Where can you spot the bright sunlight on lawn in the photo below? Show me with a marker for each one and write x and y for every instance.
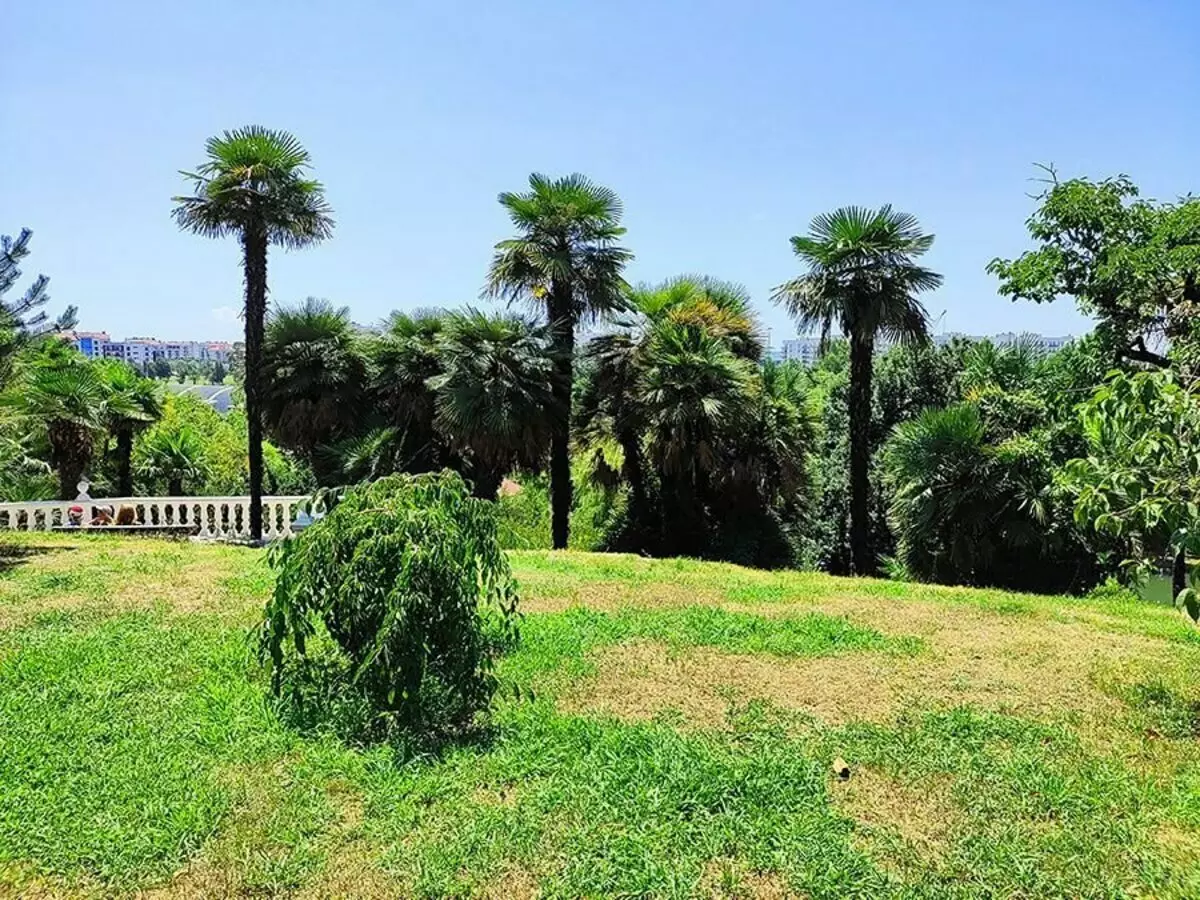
(673, 735)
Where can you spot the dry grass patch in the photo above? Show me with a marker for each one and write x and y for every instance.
(641, 680)
(119, 579)
(1180, 845)
(514, 883)
(1043, 670)
(731, 879)
(920, 813)
(352, 871)
(612, 596)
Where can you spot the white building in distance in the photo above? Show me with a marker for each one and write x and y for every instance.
(807, 350)
(138, 351)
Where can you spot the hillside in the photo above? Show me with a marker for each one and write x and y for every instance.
(673, 735)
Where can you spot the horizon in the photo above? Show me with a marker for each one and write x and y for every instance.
(722, 133)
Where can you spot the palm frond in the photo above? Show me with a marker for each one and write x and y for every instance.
(255, 178)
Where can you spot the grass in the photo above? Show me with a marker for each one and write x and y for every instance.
(1039, 747)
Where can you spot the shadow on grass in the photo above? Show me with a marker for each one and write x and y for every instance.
(14, 555)
(320, 698)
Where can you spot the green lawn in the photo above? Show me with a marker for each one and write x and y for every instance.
(672, 735)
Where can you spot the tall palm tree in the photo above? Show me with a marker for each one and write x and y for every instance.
(134, 402)
(566, 260)
(314, 374)
(862, 277)
(254, 185)
(494, 398)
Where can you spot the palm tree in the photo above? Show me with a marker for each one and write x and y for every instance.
(712, 331)
(134, 402)
(694, 391)
(495, 402)
(70, 402)
(566, 260)
(404, 358)
(173, 455)
(314, 374)
(863, 278)
(254, 185)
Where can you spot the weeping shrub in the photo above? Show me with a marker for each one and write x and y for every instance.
(394, 605)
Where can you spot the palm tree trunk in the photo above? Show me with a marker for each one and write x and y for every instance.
(70, 453)
(68, 478)
(635, 473)
(862, 349)
(175, 487)
(125, 462)
(563, 334)
(254, 247)
(486, 483)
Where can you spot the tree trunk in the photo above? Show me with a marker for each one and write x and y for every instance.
(70, 454)
(175, 487)
(486, 483)
(68, 478)
(254, 246)
(125, 462)
(562, 326)
(1179, 575)
(862, 348)
(635, 473)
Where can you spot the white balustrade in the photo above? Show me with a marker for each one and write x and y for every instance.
(210, 517)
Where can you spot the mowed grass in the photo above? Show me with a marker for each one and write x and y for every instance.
(666, 729)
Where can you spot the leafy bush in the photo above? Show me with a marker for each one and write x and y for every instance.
(525, 514)
(1112, 591)
(405, 596)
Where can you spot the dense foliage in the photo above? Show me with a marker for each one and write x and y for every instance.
(1140, 479)
(407, 579)
(663, 429)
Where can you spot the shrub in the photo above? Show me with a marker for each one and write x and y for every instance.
(395, 603)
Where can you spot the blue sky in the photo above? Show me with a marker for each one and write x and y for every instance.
(724, 127)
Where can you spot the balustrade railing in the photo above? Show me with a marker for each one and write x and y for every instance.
(209, 517)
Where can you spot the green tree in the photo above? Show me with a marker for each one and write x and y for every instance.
(23, 318)
(963, 509)
(566, 260)
(493, 398)
(862, 277)
(174, 456)
(1131, 263)
(1140, 479)
(69, 403)
(611, 407)
(314, 376)
(254, 185)
(712, 445)
(134, 402)
(157, 368)
(408, 579)
(219, 372)
(401, 434)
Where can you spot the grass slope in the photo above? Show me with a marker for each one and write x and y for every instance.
(672, 737)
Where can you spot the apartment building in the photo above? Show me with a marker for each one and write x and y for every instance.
(138, 351)
(806, 350)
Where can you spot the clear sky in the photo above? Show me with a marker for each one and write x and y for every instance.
(724, 126)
